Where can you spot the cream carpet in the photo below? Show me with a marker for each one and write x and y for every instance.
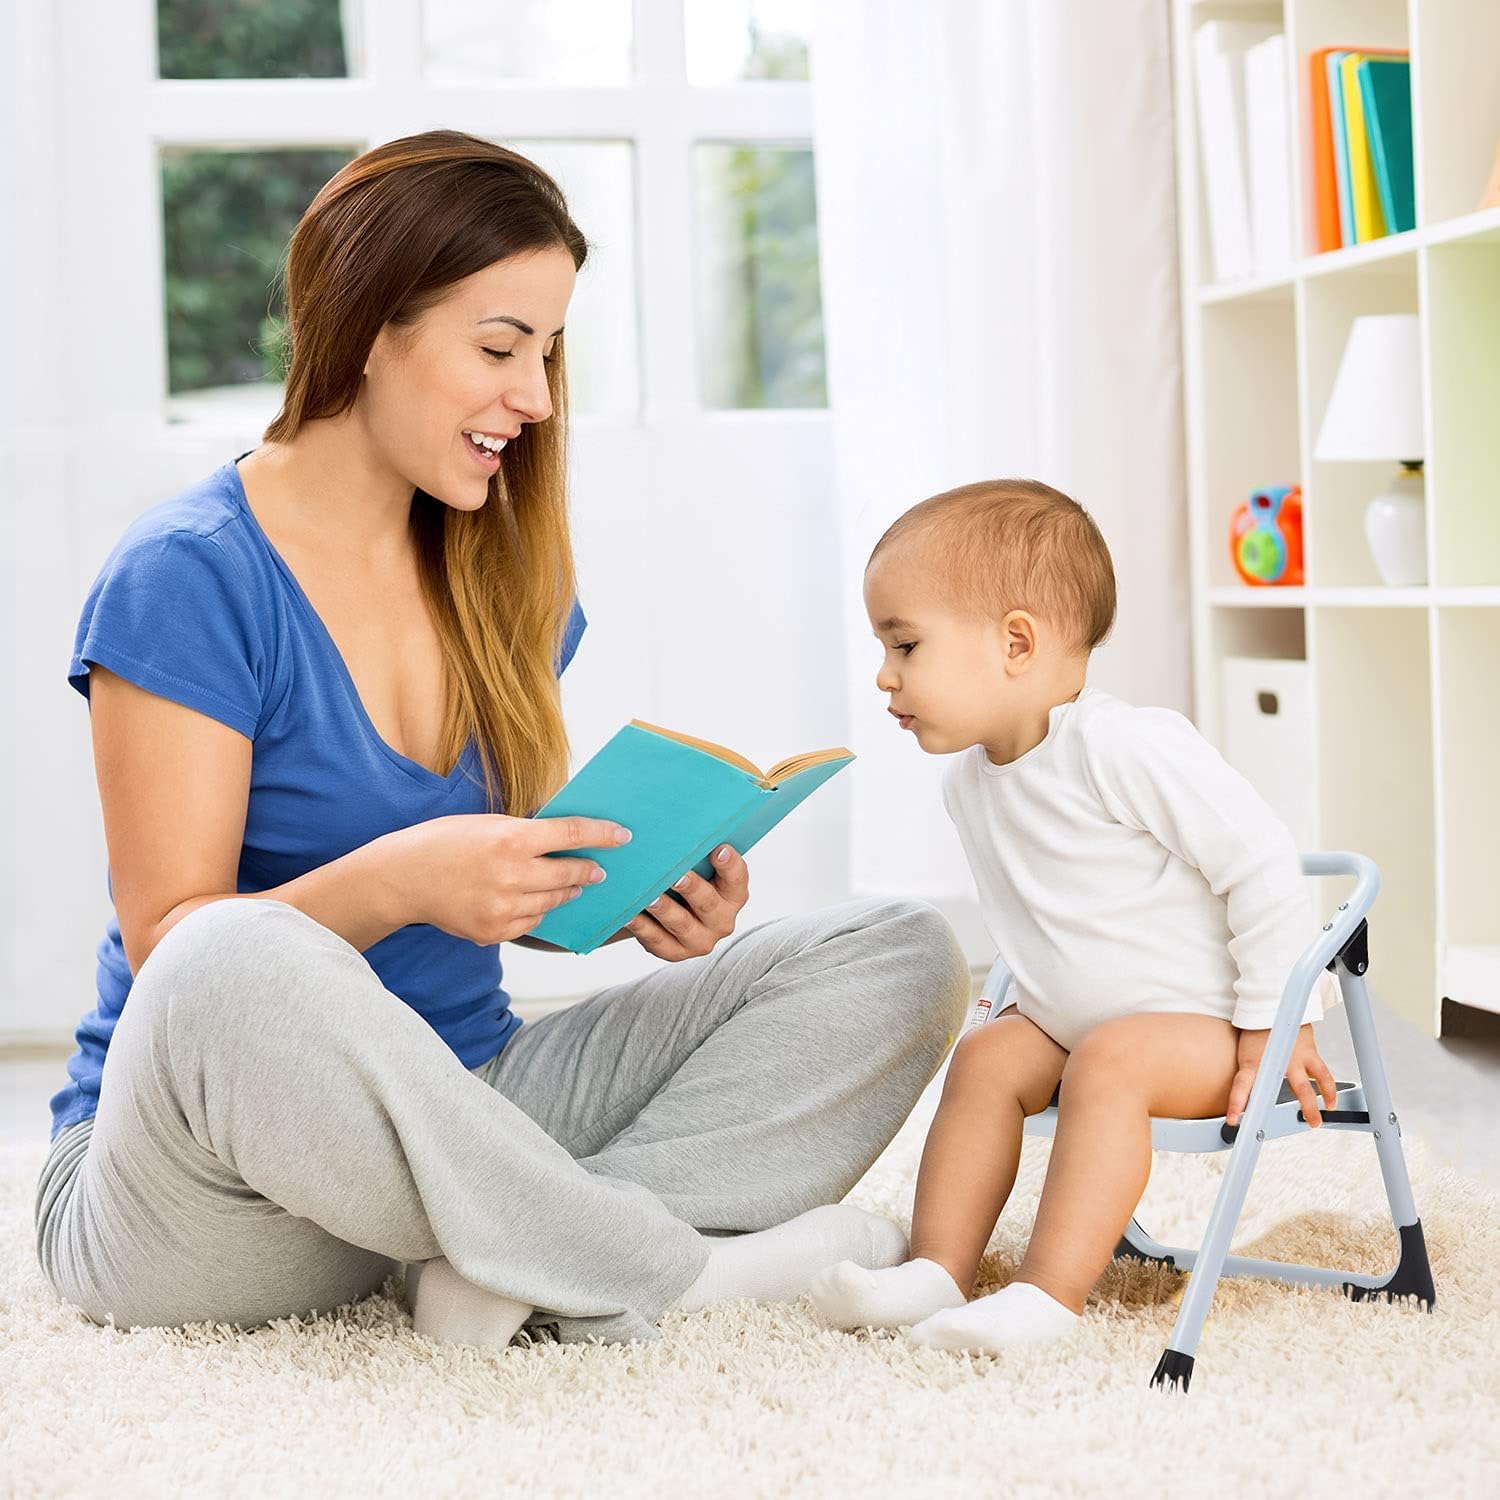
(1296, 1391)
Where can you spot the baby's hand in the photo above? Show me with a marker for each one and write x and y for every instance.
(1304, 1067)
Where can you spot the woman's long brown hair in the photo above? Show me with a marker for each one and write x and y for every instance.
(380, 243)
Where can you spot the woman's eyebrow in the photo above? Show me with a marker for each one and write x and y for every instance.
(525, 328)
(895, 623)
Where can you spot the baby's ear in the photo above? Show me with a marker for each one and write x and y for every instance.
(1018, 636)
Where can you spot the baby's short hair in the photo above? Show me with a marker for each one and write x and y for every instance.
(1007, 544)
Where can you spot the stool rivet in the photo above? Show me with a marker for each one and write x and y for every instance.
(1392, 1117)
(1343, 906)
(1377, 1135)
(1260, 1135)
(1328, 927)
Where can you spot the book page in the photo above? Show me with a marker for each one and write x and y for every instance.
(720, 752)
(785, 769)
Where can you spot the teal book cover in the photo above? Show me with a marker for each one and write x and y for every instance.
(680, 798)
(1385, 87)
(1339, 125)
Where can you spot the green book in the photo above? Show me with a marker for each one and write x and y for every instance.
(680, 798)
(1385, 88)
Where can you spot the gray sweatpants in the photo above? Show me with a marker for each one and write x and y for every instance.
(276, 1131)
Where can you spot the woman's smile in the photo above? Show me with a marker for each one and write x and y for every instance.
(484, 449)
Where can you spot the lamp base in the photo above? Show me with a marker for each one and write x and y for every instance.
(1396, 530)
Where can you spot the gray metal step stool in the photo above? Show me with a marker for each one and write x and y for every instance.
(1272, 1111)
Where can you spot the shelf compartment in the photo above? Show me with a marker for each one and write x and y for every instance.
(1469, 729)
(1251, 434)
(1336, 495)
(1463, 354)
(1375, 789)
(1456, 105)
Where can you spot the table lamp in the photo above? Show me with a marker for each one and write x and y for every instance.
(1375, 412)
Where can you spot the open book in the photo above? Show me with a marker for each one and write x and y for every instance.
(680, 798)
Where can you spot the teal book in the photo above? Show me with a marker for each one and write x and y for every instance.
(1385, 87)
(680, 798)
(1339, 125)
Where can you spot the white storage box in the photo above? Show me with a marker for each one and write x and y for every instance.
(1266, 726)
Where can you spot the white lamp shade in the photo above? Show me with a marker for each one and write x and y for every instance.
(1375, 410)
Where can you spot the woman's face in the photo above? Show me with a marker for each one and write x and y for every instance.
(443, 395)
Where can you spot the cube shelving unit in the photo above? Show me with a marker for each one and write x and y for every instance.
(1401, 739)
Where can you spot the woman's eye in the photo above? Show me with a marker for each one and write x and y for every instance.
(498, 353)
(906, 647)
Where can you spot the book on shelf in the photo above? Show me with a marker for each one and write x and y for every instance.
(1358, 145)
(1244, 146)
(681, 798)
(1385, 88)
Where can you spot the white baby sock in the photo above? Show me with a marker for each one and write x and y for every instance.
(1017, 1314)
(779, 1264)
(446, 1307)
(848, 1296)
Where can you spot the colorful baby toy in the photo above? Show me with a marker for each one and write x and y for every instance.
(1265, 536)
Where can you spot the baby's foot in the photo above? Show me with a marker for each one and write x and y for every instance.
(1017, 1314)
(849, 1296)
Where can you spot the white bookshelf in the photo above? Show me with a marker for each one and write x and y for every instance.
(1402, 738)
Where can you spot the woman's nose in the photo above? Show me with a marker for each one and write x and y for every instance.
(886, 680)
(531, 399)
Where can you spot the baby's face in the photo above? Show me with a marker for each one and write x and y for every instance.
(944, 672)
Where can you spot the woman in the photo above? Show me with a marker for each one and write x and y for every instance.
(315, 679)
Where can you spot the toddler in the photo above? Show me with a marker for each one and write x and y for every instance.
(1148, 903)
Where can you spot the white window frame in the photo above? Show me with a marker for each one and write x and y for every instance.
(132, 115)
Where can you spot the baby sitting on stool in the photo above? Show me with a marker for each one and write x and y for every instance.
(1147, 901)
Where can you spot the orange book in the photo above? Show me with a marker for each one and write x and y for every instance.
(1324, 183)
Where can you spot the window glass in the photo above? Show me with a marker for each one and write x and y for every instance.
(570, 42)
(732, 41)
(250, 39)
(760, 309)
(227, 217)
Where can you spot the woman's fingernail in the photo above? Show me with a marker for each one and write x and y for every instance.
(682, 884)
(622, 835)
(722, 857)
(657, 905)
(597, 876)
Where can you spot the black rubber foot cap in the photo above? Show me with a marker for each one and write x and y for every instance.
(1174, 1369)
(1412, 1276)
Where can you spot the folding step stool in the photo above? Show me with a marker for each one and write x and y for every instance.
(1273, 1111)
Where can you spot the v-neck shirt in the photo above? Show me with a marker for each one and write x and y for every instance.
(196, 605)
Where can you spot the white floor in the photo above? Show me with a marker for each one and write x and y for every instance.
(1447, 1092)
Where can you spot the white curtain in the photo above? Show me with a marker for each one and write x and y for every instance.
(997, 230)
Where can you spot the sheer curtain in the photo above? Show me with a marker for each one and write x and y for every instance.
(997, 230)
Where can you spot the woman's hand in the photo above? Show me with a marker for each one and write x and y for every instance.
(488, 877)
(673, 931)
(1305, 1066)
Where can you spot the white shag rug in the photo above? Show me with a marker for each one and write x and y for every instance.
(1295, 1390)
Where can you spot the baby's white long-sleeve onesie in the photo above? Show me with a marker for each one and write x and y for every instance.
(1124, 866)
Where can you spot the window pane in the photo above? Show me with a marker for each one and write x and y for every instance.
(227, 217)
(250, 39)
(596, 178)
(760, 310)
(732, 40)
(540, 41)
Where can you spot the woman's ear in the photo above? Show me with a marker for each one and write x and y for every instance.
(1018, 638)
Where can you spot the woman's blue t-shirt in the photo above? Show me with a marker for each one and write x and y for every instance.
(194, 604)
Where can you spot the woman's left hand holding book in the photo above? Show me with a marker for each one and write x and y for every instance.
(705, 913)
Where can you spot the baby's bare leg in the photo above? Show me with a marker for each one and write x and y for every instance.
(999, 1074)
(1121, 1074)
